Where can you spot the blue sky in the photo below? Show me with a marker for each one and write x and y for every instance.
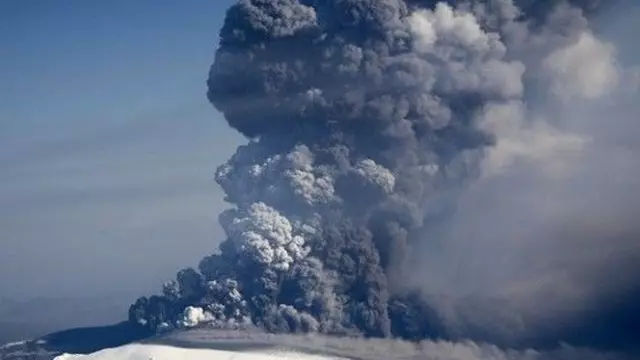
(108, 145)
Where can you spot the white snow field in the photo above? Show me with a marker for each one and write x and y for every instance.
(166, 352)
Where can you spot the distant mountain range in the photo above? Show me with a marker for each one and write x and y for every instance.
(36, 317)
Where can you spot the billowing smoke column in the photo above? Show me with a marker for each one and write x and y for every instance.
(364, 117)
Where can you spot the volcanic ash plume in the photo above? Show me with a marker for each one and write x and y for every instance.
(364, 118)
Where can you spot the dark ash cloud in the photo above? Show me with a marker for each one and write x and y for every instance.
(395, 150)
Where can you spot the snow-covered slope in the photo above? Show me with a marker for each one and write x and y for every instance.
(165, 352)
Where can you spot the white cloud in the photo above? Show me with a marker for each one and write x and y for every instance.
(584, 69)
(538, 142)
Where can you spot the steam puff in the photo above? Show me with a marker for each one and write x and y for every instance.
(364, 119)
(194, 316)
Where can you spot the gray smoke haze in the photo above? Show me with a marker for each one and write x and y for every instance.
(554, 234)
(422, 169)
